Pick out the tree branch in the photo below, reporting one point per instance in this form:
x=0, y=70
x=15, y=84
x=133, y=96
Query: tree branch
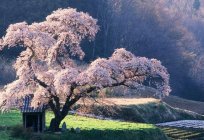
x=55, y=108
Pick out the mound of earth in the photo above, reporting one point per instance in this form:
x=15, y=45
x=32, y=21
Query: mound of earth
x=146, y=110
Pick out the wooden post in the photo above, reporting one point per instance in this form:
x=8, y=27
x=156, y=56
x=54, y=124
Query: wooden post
x=43, y=121
x=38, y=124
x=25, y=121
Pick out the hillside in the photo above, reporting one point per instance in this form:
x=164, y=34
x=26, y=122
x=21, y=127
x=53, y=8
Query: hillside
x=147, y=110
x=181, y=103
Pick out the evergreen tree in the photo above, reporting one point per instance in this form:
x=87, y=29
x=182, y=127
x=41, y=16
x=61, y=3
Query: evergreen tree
x=196, y=4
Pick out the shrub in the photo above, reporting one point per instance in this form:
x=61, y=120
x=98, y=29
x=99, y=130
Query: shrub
x=19, y=132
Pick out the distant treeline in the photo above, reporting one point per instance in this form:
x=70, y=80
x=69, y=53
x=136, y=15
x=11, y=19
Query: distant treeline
x=169, y=30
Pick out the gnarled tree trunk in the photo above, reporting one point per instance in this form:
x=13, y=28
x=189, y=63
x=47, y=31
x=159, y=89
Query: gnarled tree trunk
x=59, y=116
x=54, y=124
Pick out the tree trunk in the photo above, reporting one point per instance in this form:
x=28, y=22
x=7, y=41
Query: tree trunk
x=54, y=124
x=60, y=115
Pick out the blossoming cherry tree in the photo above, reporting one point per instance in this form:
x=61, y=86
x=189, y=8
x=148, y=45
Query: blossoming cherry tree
x=46, y=68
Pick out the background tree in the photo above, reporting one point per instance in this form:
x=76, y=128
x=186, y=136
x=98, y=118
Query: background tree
x=7, y=71
x=196, y=4
x=46, y=68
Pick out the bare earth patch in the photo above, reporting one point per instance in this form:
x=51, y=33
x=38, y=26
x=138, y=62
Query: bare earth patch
x=121, y=101
x=133, y=101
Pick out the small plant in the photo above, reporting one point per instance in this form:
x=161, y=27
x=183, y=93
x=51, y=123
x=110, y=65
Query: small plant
x=17, y=131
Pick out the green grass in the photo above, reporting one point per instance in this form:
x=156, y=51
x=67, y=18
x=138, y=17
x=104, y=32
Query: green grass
x=10, y=119
x=91, y=129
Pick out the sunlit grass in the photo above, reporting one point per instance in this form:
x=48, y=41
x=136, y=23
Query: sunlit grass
x=90, y=123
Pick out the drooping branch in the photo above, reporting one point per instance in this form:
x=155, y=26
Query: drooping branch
x=55, y=107
x=31, y=69
x=69, y=102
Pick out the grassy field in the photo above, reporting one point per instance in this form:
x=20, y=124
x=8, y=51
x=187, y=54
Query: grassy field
x=91, y=129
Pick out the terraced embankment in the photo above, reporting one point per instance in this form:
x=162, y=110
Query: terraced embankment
x=181, y=103
x=183, y=133
x=184, y=129
x=146, y=110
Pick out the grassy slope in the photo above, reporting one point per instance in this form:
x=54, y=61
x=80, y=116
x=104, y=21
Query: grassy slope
x=156, y=113
x=90, y=129
x=146, y=111
x=178, y=102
